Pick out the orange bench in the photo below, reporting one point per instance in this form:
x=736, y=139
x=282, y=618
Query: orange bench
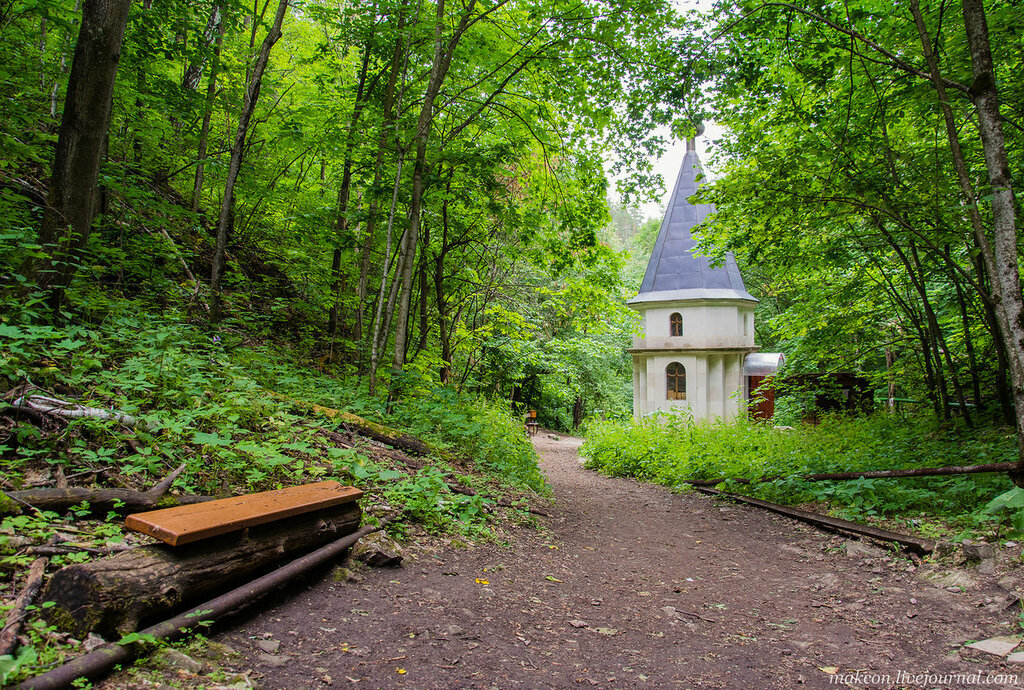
x=185, y=524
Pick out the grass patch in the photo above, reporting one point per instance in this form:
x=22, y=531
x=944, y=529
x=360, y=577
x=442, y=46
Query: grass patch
x=669, y=449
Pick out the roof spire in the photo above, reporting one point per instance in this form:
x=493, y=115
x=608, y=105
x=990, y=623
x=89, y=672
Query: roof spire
x=676, y=271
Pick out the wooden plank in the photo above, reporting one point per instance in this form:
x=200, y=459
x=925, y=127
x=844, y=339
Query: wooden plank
x=185, y=524
x=918, y=545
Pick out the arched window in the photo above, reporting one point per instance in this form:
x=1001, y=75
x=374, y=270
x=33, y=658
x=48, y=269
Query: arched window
x=675, y=324
x=675, y=382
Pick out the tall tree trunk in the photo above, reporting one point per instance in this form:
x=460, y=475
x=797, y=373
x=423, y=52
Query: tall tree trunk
x=386, y=130
x=424, y=329
x=252, y=95
x=344, y=194
x=928, y=332
x=965, y=325
x=1004, y=214
x=439, y=69
x=214, y=28
x=1000, y=254
x=378, y=325
x=442, y=303
x=140, y=89
x=939, y=340
x=1003, y=394
x=890, y=360
x=204, y=133
x=71, y=200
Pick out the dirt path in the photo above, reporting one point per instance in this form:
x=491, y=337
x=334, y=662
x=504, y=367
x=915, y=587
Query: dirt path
x=630, y=585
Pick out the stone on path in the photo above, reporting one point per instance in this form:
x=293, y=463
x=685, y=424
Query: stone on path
x=378, y=550
x=173, y=658
x=998, y=646
x=269, y=646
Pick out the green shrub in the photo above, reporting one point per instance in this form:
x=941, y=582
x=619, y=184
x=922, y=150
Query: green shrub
x=669, y=449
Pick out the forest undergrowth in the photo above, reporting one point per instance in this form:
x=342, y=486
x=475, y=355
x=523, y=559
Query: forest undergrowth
x=671, y=449
x=243, y=413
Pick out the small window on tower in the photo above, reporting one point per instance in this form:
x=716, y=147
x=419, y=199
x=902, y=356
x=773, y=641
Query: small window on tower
x=675, y=380
x=675, y=324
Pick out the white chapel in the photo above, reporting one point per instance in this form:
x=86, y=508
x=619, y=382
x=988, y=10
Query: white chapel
x=698, y=319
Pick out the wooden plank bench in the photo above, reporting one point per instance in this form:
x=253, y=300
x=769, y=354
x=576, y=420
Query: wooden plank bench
x=531, y=423
x=185, y=524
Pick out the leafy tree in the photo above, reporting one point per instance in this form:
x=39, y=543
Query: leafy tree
x=837, y=178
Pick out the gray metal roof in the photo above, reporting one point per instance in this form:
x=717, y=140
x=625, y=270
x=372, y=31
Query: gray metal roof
x=675, y=272
x=763, y=363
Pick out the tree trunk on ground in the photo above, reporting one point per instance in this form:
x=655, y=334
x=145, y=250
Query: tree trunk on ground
x=101, y=501
x=15, y=617
x=867, y=474
x=111, y=596
x=71, y=202
x=377, y=432
x=252, y=95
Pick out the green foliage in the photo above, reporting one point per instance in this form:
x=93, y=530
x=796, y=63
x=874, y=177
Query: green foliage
x=841, y=203
x=1008, y=508
x=40, y=527
x=10, y=665
x=202, y=399
x=43, y=651
x=669, y=449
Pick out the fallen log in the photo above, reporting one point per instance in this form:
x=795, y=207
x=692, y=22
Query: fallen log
x=100, y=661
x=112, y=595
x=377, y=432
x=17, y=413
x=69, y=410
x=62, y=550
x=16, y=616
x=868, y=474
x=102, y=501
x=450, y=482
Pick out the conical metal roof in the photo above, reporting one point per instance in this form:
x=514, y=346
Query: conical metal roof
x=675, y=272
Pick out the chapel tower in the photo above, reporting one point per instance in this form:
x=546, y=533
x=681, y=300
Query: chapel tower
x=698, y=318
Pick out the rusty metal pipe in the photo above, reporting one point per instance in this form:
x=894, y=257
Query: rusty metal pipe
x=918, y=545
x=98, y=663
